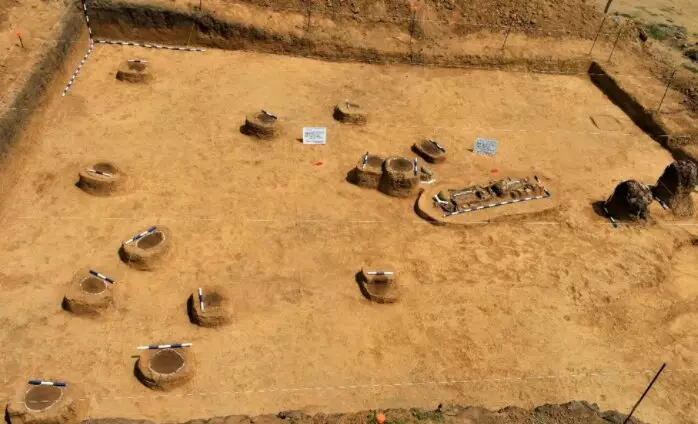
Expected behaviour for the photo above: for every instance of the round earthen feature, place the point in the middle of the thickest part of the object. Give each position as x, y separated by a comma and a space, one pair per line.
87, 294
261, 124
48, 405
428, 150
165, 369
399, 178
629, 201
368, 175
108, 179
675, 185
350, 113
135, 71
217, 307
148, 252
378, 288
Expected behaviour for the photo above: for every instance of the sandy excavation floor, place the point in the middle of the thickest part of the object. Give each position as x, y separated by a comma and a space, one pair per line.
492, 315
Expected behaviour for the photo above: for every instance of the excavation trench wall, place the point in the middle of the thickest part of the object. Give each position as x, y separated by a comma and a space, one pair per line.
677, 143
158, 24
570, 412
22, 106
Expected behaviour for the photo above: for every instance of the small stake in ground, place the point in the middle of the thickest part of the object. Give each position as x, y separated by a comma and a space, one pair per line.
167, 346
656, 376
668, 84
506, 37
615, 43
603, 21
19, 35
201, 299
47, 383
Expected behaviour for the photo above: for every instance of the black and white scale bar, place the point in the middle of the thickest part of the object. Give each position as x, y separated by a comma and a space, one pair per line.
379, 272
102, 276
494, 205
141, 235
95, 171
438, 146
150, 46
87, 19
663, 205
365, 160
439, 201
77, 71
167, 346
47, 383
201, 299
611, 218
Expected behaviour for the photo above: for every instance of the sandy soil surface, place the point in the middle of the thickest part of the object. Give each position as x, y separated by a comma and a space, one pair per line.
37, 22
679, 12
541, 311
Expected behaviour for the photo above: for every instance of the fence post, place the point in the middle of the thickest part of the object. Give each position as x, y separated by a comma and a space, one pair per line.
656, 376
620, 31
668, 84
603, 21
506, 37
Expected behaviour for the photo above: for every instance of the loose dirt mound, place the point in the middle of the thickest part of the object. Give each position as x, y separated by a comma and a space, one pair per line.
570, 16
574, 412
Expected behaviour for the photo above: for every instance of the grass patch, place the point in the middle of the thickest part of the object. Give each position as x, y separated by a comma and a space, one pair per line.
691, 68
431, 416
663, 31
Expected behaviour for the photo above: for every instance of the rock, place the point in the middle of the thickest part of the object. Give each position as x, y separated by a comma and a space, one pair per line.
692, 54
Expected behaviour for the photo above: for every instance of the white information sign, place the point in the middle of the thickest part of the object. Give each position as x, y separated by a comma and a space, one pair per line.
485, 146
314, 135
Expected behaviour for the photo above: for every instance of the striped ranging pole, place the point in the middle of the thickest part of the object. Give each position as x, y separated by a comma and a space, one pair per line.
201, 299
438, 146
494, 205
141, 235
610, 217
379, 272
415, 167
80, 65
98, 172
102, 276
149, 46
47, 383
365, 161
167, 346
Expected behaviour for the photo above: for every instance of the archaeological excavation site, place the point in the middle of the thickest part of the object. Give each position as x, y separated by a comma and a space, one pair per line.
349, 212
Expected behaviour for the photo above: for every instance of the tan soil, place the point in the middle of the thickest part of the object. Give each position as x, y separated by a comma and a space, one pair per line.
567, 296
553, 302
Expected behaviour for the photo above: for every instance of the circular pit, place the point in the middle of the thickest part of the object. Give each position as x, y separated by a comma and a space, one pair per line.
165, 369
